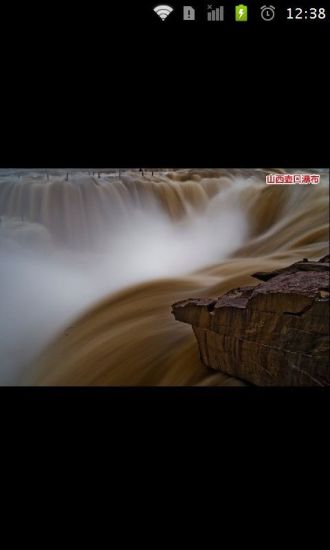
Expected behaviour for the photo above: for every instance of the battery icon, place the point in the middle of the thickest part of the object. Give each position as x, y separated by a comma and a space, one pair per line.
241, 13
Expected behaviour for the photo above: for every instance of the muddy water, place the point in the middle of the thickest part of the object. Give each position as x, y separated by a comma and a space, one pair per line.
90, 266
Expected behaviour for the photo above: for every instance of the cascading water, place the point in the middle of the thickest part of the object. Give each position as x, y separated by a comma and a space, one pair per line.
90, 265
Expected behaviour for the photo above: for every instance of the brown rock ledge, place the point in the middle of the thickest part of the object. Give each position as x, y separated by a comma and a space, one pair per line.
272, 334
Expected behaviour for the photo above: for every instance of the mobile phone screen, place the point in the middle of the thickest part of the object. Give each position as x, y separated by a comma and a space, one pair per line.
164, 197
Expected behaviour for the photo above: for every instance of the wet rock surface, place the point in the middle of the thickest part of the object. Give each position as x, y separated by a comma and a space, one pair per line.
272, 334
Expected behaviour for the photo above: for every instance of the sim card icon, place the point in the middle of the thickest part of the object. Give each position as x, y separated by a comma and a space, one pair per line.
241, 13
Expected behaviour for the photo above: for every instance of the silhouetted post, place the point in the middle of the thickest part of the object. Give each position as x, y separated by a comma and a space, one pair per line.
67, 177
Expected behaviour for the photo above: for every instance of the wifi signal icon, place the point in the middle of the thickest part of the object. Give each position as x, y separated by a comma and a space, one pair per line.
163, 11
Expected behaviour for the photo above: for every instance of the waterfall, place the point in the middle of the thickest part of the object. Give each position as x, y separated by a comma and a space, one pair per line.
90, 266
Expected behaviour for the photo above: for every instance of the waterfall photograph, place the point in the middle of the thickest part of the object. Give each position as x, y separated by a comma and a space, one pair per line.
164, 277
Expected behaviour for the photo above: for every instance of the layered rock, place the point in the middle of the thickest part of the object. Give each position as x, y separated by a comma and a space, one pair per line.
272, 334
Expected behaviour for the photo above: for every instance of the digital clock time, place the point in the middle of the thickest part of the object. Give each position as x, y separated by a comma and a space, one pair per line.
309, 13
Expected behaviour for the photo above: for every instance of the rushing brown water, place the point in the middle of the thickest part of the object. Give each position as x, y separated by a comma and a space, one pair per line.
99, 261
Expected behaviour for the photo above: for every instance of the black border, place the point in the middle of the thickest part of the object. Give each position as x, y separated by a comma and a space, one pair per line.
128, 90
246, 418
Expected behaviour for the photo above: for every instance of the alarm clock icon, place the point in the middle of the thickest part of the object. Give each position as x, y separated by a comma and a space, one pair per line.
267, 13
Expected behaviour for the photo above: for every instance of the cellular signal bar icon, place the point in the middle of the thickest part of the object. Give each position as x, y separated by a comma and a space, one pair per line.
215, 14
163, 11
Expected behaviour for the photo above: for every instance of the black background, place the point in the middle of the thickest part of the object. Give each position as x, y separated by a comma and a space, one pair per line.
112, 86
